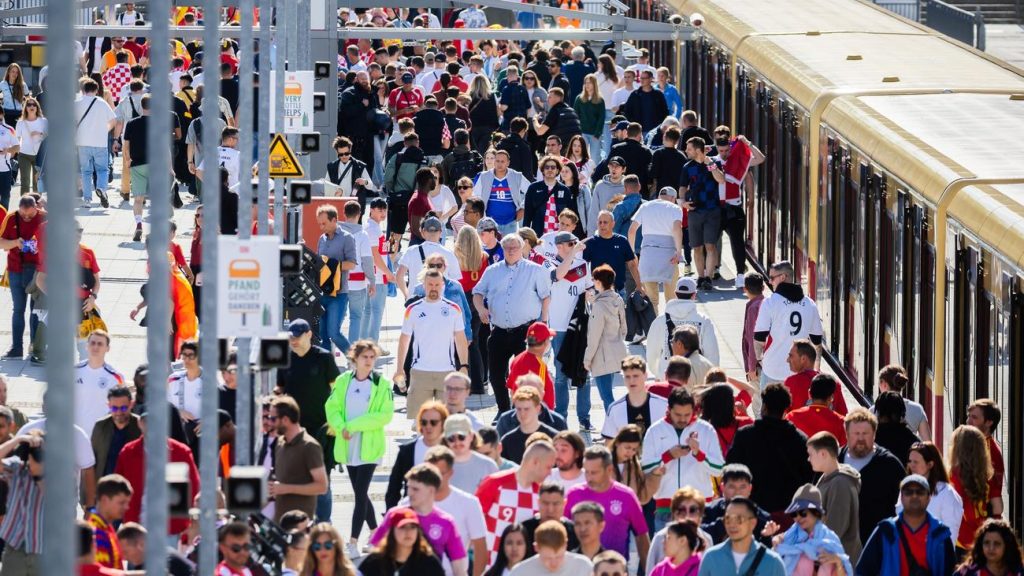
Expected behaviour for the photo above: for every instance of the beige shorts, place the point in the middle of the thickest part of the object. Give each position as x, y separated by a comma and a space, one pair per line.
423, 387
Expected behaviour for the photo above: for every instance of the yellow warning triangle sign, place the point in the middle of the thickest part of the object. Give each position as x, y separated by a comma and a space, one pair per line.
283, 163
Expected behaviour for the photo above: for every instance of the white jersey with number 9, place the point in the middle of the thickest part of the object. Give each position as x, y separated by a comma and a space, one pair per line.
785, 320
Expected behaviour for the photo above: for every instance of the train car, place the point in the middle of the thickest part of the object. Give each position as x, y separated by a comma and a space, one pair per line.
894, 183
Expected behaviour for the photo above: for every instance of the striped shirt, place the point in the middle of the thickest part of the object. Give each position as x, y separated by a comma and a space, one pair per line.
22, 527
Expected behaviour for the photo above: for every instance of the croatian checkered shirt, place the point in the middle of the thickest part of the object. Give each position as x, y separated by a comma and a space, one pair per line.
504, 503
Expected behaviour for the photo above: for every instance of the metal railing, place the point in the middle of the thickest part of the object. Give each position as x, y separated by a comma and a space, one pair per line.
954, 22
910, 9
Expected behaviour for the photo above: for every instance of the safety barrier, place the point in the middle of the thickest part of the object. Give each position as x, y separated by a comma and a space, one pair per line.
957, 23
910, 9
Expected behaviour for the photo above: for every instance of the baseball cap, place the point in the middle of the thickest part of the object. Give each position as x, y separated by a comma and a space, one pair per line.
668, 191
403, 516
686, 286
564, 238
621, 125
617, 160
298, 327
431, 224
486, 224
407, 78
537, 332
440, 57
457, 423
915, 479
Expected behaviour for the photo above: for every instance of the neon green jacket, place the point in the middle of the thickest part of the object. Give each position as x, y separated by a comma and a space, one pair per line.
371, 424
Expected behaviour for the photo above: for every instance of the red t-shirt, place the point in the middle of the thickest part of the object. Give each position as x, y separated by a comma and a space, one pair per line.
800, 389
131, 464
86, 260
226, 58
975, 513
813, 419
470, 278
726, 435
918, 544
457, 81
179, 255
995, 483
97, 570
527, 363
419, 205
14, 227
400, 99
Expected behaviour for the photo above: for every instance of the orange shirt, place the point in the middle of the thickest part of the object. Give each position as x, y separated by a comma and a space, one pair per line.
110, 58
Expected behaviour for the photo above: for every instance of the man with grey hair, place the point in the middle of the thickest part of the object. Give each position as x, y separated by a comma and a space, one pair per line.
576, 71
785, 316
517, 292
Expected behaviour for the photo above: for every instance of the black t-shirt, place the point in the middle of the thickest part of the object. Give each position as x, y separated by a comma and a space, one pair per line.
117, 441
309, 380
136, 132
513, 444
226, 399
692, 131
418, 566
666, 166
640, 415
530, 527
229, 91
614, 252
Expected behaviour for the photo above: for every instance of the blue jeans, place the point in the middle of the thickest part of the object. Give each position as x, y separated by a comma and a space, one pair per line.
6, 181
19, 281
594, 146
373, 313
510, 228
562, 387
606, 136
604, 385
330, 324
661, 519
325, 502
356, 308
93, 160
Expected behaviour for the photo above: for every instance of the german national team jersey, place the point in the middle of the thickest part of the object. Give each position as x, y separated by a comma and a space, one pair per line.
565, 292
434, 324
785, 320
505, 502
91, 386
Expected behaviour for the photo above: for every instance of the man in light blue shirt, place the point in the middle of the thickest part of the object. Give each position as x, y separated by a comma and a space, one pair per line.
510, 296
336, 244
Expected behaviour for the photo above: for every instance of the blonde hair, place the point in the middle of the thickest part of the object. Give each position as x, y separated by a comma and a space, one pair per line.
480, 89
969, 459
590, 80
468, 249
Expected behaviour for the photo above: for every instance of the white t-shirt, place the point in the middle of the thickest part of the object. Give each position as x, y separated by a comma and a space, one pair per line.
547, 247
230, 160
618, 413
427, 79
556, 477
7, 140
607, 88
92, 132
621, 95
565, 292
738, 558
91, 386
466, 510
434, 325
376, 237
186, 394
573, 565
29, 143
414, 257
658, 216
785, 321
362, 251
84, 456
444, 201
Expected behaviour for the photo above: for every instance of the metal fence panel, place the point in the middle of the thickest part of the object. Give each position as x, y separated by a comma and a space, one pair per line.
956, 23
910, 9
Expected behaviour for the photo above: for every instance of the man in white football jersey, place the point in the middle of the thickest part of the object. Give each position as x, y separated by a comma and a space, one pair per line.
93, 378
570, 278
785, 316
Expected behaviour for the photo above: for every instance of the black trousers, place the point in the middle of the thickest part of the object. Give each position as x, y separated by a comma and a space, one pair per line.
502, 345
477, 370
735, 225
361, 476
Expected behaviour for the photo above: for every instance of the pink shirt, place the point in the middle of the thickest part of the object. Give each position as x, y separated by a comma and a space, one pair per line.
688, 568
439, 528
622, 511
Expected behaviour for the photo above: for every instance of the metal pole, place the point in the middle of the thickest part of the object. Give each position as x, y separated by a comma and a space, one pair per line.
303, 62
158, 291
243, 399
62, 319
208, 342
282, 41
263, 190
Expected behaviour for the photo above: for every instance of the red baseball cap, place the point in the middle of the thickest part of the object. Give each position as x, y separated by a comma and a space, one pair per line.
403, 516
537, 332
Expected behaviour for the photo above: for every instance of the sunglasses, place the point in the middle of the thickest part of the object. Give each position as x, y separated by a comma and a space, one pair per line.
465, 187
236, 548
688, 510
270, 417
800, 514
318, 546
458, 436
435, 266
344, 154
551, 166
428, 422
188, 354
118, 409
30, 106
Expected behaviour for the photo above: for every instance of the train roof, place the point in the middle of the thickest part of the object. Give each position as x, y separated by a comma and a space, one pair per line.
933, 140
807, 66
731, 21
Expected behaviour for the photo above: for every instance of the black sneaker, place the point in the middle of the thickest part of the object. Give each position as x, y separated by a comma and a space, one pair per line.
398, 391
103, 197
138, 233
37, 360
125, 197
705, 284
717, 275
13, 354
586, 426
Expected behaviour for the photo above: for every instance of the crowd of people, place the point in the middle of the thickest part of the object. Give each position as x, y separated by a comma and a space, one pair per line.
538, 208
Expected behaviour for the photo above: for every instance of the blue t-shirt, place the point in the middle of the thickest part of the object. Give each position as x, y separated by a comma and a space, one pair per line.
500, 204
702, 188
496, 254
614, 252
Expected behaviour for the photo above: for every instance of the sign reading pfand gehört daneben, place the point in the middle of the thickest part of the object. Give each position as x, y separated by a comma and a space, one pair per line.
248, 287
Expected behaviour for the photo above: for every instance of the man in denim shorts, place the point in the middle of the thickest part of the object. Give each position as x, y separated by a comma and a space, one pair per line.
700, 192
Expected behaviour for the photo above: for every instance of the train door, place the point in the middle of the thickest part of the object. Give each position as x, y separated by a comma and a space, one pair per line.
910, 295
708, 84
887, 278
965, 311
852, 250
725, 70
692, 88
743, 90
766, 130
926, 322
783, 209
869, 237
1013, 451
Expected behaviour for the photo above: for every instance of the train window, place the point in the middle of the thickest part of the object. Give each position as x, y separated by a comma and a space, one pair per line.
983, 331
1014, 414
926, 313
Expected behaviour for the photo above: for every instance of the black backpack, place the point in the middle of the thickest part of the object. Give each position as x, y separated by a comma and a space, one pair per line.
467, 164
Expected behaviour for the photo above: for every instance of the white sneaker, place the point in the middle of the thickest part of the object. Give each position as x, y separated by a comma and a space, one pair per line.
687, 270
739, 281
352, 550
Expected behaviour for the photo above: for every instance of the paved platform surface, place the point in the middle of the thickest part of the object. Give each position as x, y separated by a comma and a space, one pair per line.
1006, 41
123, 271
